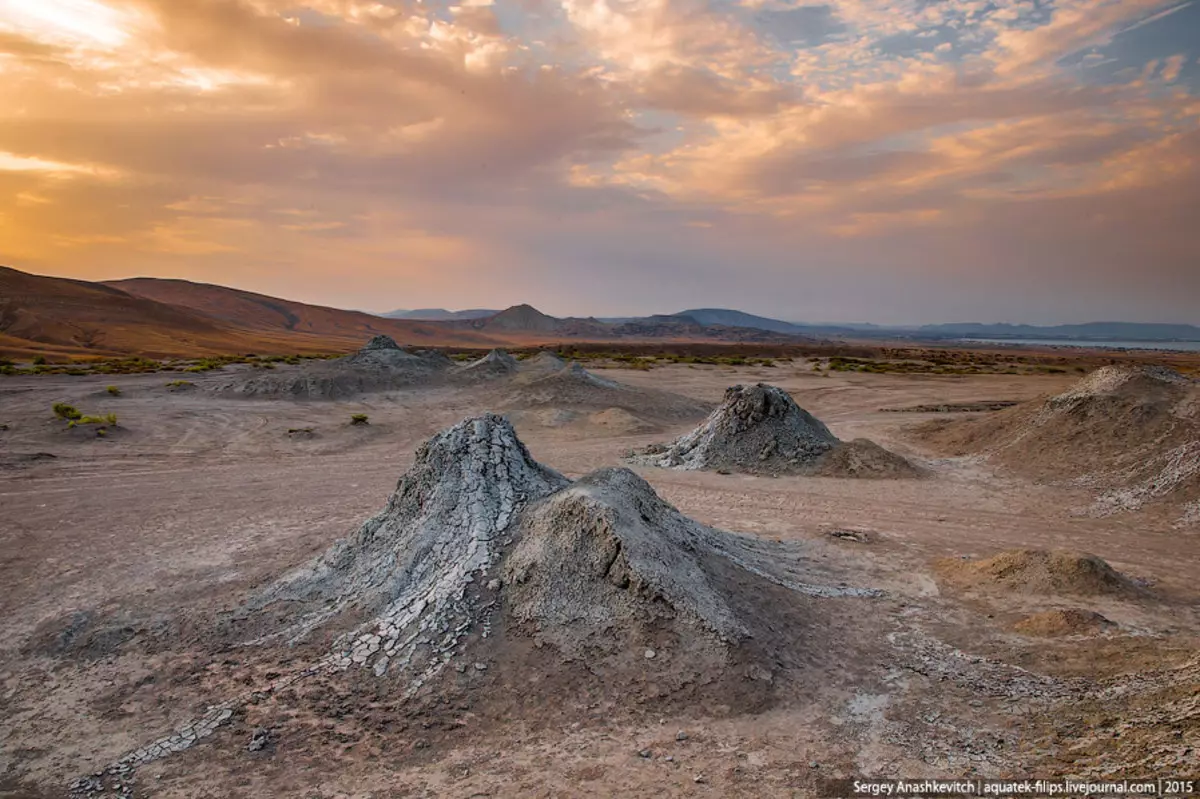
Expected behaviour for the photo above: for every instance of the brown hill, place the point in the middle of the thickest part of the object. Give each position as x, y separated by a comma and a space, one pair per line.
259, 312
75, 317
524, 318
65, 318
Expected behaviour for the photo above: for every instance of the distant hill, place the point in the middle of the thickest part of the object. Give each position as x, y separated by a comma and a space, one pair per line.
730, 318
1117, 331
175, 318
52, 315
524, 318
440, 314
259, 312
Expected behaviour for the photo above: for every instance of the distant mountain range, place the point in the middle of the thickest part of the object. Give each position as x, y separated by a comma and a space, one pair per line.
1094, 331
177, 318
440, 314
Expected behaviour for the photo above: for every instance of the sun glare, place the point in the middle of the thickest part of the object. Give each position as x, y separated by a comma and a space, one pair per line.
78, 22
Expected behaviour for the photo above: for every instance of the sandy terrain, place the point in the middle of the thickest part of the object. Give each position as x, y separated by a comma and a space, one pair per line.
120, 557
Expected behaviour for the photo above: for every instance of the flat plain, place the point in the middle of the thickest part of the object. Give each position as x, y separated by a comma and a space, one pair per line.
123, 556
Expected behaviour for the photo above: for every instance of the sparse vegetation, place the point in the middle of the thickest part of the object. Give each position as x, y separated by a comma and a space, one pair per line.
39, 360
360, 419
180, 384
68, 412
114, 391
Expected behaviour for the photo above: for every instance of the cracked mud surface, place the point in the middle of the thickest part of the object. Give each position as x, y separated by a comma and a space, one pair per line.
125, 563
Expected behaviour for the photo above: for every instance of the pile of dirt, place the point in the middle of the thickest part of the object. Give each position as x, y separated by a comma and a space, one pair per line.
1132, 432
575, 392
496, 363
1034, 571
864, 458
760, 429
1072, 621
381, 365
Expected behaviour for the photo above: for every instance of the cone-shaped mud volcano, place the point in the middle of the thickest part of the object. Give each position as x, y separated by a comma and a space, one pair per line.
381, 365
760, 429
484, 560
497, 363
1131, 431
441, 528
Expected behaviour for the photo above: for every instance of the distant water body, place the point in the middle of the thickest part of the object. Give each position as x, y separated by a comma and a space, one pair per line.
1178, 346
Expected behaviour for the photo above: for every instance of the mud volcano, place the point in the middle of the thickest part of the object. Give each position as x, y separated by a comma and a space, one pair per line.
381, 365
1133, 432
761, 430
485, 560
554, 393
496, 363
478, 535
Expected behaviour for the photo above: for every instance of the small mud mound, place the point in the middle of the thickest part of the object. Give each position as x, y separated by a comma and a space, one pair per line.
1132, 433
619, 420
381, 365
542, 364
496, 363
1072, 621
577, 391
761, 430
864, 458
1033, 571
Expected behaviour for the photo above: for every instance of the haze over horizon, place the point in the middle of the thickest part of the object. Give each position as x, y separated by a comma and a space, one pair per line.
895, 162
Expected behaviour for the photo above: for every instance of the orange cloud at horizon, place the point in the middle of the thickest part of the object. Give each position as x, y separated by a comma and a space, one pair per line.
858, 160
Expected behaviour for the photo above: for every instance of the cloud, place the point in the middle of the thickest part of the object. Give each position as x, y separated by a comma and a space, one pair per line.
501, 148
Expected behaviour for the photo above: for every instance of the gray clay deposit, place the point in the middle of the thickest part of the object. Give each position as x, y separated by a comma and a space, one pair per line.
760, 429
381, 365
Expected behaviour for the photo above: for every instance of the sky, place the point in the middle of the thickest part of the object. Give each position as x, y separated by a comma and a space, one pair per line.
891, 161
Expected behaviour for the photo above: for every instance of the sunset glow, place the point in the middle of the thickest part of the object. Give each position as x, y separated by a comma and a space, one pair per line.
883, 160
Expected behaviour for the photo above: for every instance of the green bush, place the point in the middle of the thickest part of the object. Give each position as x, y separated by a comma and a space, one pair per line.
39, 360
113, 390
360, 418
64, 411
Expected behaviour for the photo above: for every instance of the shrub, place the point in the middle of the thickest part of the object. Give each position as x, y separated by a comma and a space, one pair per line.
64, 411
180, 383
359, 418
113, 390
39, 360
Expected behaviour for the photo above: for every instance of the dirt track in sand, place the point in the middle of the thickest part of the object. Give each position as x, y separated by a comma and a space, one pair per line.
203, 499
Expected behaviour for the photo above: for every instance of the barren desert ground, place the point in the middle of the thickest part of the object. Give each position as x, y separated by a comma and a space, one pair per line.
123, 559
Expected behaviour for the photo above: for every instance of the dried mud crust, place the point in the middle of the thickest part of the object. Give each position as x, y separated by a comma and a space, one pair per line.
760, 429
1130, 433
479, 540
1029, 571
552, 393
1071, 621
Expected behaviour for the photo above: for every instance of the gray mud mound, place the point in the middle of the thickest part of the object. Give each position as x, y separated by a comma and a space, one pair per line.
1034, 571
485, 561
381, 365
605, 569
496, 363
575, 392
760, 429
542, 364
1131, 432
412, 562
